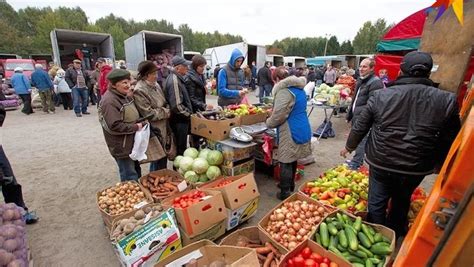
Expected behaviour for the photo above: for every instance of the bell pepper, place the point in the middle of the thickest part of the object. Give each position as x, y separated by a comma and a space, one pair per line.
347, 198
338, 201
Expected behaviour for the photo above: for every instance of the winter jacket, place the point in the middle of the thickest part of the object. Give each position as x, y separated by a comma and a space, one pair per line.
196, 89
150, 100
103, 82
21, 84
178, 98
364, 89
264, 76
41, 80
62, 86
118, 116
330, 76
71, 77
284, 103
311, 76
231, 81
413, 126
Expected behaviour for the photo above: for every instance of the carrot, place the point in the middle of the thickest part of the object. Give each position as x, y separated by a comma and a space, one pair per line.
156, 182
175, 183
274, 250
170, 186
160, 194
269, 260
263, 250
145, 182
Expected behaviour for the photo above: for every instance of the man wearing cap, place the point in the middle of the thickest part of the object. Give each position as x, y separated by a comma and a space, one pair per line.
22, 87
105, 69
179, 101
413, 125
77, 81
40, 79
231, 80
118, 117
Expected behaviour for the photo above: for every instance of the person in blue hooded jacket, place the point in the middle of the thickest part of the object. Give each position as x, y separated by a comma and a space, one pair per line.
41, 80
22, 86
230, 81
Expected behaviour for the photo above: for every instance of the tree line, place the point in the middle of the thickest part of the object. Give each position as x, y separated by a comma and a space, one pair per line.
27, 32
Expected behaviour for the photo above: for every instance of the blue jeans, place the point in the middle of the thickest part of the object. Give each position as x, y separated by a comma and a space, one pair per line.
129, 169
385, 185
358, 158
80, 98
265, 90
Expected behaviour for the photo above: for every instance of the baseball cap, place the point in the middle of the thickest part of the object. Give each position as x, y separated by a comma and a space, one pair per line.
177, 60
416, 63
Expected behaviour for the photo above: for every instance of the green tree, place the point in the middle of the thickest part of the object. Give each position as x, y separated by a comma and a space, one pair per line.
346, 48
119, 37
368, 36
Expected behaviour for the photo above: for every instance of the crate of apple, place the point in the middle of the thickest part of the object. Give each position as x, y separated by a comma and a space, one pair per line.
189, 199
308, 258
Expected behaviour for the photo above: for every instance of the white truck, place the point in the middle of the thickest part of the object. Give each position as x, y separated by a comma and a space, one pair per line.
221, 54
276, 60
295, 62
68, 44
146, 44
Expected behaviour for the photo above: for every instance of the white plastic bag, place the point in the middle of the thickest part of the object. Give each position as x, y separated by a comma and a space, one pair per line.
140, 144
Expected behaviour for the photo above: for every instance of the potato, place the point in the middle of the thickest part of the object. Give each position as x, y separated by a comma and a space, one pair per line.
147, 210
140, 214
137, 228
128, 228
140, 222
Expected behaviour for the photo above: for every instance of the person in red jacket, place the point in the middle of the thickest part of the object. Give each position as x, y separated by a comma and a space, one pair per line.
104, 71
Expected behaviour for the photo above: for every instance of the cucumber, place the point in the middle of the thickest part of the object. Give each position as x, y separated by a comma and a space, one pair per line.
339, 218
338, 225
366, 231
381, 248
369, 263
332, 229
329, 220
341, 248
351, 238
385, 239
323, 231
352, 228
357, 224
342, 239
332, 241
381, 263
346, 254
366, 251
353, 259
378, 238
375, 260
346, 219
371, 230
335, 250
318, 238
356, 264
364, 240
359, 254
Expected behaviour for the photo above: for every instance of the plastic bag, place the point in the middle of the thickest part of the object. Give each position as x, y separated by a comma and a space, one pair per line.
245, 100
141, 144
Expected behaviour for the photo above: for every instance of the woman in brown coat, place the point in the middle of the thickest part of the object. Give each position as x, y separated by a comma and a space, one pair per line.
151, 103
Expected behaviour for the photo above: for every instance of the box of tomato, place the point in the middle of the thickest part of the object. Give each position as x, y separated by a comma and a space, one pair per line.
311, 254
197, 210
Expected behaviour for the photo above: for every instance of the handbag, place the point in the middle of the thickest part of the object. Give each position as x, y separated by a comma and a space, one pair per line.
167, 143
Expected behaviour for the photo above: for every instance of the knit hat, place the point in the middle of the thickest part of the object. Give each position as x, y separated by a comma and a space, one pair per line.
417, 64
118, 75
146, 67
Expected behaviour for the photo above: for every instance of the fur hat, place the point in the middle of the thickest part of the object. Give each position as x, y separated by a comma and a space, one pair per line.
146, 67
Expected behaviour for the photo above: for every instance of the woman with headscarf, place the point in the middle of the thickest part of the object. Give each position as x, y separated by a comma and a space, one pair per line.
151, 103
196, 86
293, 128
119, 119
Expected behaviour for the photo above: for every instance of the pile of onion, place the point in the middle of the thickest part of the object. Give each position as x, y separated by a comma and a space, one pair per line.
121, 198
13, 247
294, 221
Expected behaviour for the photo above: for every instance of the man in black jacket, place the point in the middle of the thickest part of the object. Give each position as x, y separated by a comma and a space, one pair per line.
264, 81
413, 125
366, 85
179, 101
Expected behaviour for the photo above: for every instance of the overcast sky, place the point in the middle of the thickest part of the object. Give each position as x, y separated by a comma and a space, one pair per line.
257, 21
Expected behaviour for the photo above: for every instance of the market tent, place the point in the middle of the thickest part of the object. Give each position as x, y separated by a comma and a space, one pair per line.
405, 35
391, 63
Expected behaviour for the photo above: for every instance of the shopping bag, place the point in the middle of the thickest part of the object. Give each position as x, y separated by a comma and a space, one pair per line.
140, 144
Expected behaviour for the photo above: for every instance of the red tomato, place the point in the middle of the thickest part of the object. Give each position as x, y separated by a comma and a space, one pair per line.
290, 263
315, 256
310, 263
306, 252
323, 265
326, 260
184, 205
333, 264
177, 199
299, 261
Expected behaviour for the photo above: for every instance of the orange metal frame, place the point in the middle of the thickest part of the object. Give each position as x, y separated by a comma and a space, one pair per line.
450, 186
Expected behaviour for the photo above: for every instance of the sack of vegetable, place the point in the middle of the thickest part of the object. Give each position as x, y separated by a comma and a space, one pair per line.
13, 246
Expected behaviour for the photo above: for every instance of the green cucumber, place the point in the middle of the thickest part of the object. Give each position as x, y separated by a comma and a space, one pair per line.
378, 237
318, 238
342, 239
357, 224
323, 231
364, 240
375, 260
332, 229
366, 231
369, 263
381, 248
339, 218
368, 252
351, 238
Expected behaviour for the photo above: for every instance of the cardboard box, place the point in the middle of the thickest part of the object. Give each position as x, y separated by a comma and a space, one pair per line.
213, 130
109, 219
244, 167
128, 215
241, 214
197, 218
252, 233
233, 150
315, 247
212, 233
253, 119
176, 177
156, 239
385, 231
190, 247
206, 254
296, 196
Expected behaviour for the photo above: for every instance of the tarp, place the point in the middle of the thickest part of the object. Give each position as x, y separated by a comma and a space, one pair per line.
409, 28
389, 62
398, 45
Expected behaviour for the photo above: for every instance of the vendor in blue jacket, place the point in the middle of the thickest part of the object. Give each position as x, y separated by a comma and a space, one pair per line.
231, 79
40, 79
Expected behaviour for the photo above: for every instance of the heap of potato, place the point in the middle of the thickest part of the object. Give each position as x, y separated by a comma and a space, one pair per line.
128, 225
13, 247
121, 198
